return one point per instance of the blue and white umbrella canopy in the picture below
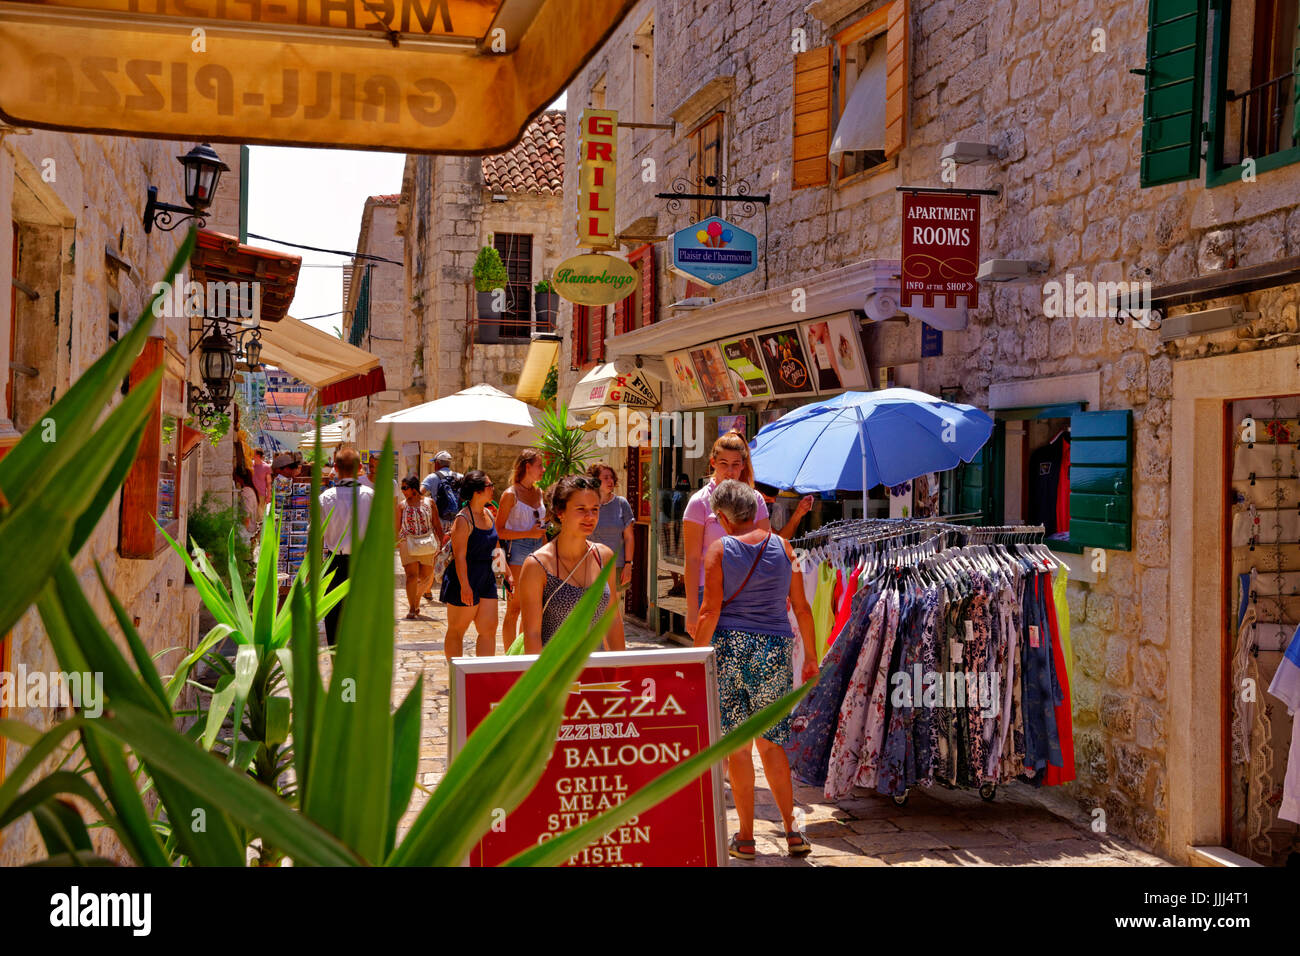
(867, 438)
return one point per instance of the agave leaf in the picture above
(248, 803)
(143, 662)
(81, 858)
(564, 845)
(237, 602)
(352, 762)
(308, 695)
(277, 720)
(223, 698)
(61, 827)
(48, 517)
(504, 757)
(33, 465)
(40, 747)
(406, 758)
(214, 596)
(247, 662)
(178, 680)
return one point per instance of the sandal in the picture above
(741, 849)
(802, 848)
(412, 615)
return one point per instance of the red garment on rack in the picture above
(845, 607)
(1063, 489)
(1064, 723)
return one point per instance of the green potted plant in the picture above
(489, 276)
(546, 302)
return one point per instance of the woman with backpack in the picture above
(469, 585)
(521, 526)
(749, 573)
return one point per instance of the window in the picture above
(1059, 466)
(637, 310)
(850, 99)
(643, 72)
(706, 163)
(1252, 87)
(517, 254)
(1252, 104)
(578, 341)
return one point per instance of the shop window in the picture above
(1252, 85)
(151, 494)
(517, 255)
(1059, 466)
(850, 99)
(706, 162)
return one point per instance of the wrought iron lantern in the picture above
(203, 169)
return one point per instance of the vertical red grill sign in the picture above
(629, 718)
(941, 249)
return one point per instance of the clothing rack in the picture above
(898, 554)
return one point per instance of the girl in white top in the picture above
(521, 522)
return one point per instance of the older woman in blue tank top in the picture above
(748, 576)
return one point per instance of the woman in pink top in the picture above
(700, 528)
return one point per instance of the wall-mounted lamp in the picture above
(977, 154)
(203, 169)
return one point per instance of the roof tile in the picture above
(536, 164)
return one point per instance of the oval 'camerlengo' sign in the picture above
(594, 279)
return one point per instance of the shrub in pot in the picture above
(489, 276)
(546, 303)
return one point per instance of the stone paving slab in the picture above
(936, 827)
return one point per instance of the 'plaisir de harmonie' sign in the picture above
(630, 717)
(941, 249)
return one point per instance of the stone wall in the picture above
(448, 215)
(91, 191)
(379, 236)
(1021, 75)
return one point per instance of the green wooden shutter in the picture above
(1171, 109)
(1101, 479)
(980, 482)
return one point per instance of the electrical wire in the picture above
(334, 252)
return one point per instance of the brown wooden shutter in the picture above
(812, 118)
(643, 259)
(896, 76)
(623, 314)
(598, 334)
(581, 326)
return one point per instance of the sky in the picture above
(315, 197)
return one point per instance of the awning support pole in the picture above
(862, 445)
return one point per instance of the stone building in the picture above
(1164, 745)
(373, 302)
(81, 269)
(451, 207)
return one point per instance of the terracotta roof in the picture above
(294, 399)
(536, 165)
(392, 199)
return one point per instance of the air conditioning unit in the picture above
(1204, 322)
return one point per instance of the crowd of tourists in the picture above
(543, 549)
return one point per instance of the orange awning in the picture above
(444, 76)
(339, 371)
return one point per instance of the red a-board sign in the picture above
(941, 249)
(630, 717)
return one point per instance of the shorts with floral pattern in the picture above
(754, 670)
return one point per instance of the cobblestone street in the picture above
(935, 828)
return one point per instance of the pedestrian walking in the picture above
(442, 485)
(521, 526)
(614, 527)
(261, 476)
(250, 503)
(416, 543)
(343, 507)
(469, 585)
(556, 575)
(749, 576)
(729, 459)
